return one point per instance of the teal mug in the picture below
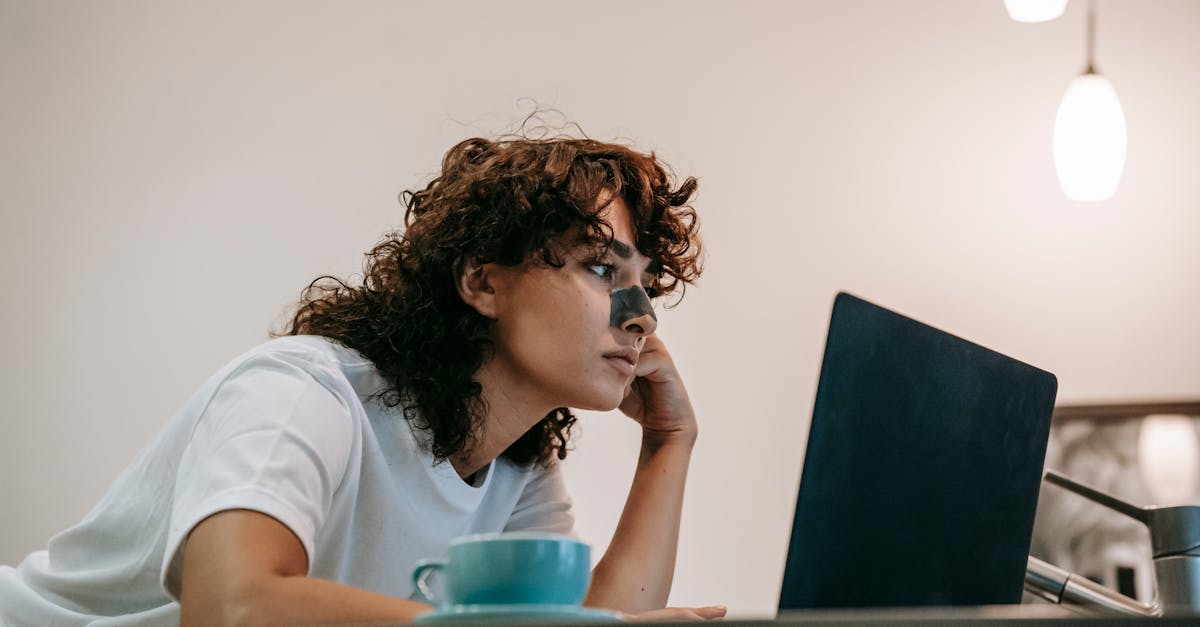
(509, 568)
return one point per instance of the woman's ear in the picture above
(475, 285)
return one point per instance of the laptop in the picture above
(921, 476)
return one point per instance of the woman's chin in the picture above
(602, 402)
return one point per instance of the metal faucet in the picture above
(1175, 547)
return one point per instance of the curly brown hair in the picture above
(507, 201)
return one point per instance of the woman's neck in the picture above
(509, 412)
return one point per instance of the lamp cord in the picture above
(1091, 38)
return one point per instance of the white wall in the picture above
(171, 175)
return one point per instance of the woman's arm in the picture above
(636, 571)
(242, 567)
(635, 574)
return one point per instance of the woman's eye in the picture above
(603, 270)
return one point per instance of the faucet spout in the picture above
(1059, 586)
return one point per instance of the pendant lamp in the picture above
(1035, 10)
(1089, 132)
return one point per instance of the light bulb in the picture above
(1035, 10)
(1089, 139)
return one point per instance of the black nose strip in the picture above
(629, 303)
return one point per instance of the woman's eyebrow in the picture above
(622, 250)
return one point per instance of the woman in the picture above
(302, 482)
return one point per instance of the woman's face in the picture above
(553, 327)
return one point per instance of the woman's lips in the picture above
(624, 360)
(621, 363)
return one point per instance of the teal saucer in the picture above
(476, 614)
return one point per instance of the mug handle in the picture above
(420, 573)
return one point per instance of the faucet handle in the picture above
(1139, 514)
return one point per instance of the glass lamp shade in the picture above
(1089, 139)
(1035, 10)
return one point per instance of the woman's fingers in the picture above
(654, 360)
(680, 614)
(711, 612)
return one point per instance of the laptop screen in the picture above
(921, 477)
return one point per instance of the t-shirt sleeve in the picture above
(544, 505)
(272, 439)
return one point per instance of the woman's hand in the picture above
(657, 399)
(677, 614)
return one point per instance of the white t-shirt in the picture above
(286, 429)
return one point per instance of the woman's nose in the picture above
(644, 324)
(631, 311)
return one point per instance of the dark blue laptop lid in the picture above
(921, 475)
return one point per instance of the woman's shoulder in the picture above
(312, 346)
(294, 362)
(312, 354)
